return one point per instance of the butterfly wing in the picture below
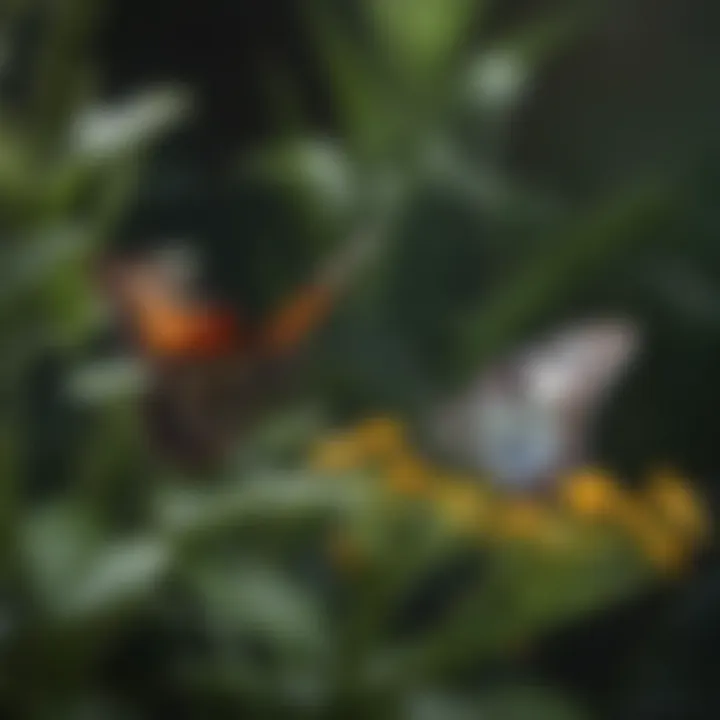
(154, 298)
(529, 416)
(309, 307)
(212, 374)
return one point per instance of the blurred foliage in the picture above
(128, 590)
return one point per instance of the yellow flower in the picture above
(337, 454)
(675, 500)
(592, 494)
(528, 521)
(407, 475)
(464, 504)
(662, 547)
(380, 437)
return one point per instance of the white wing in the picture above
(529, 415)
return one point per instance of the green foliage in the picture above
(240, 561)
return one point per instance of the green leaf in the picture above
(94, 706)
(497, 80)
(507, 702)
(528, 702)
(256, 598)
(120, 573)
(367, 107)
(31, 264)
(421, 36)
(61, 70)
(268, 500)
(113, 130)
(77, 573)
(554, 591)
(561, 265)
(541, 39)
(102, 382)
(291, 430)
(527, 592)
(485, 188)
(429, 705)
(55, 542)
(317, 172)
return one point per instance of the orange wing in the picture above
(166, 323)
(167, 331)
(296, 319)
(307, 309)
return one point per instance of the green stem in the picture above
(60, 68)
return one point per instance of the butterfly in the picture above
(210, 369)
(529, 416)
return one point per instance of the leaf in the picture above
(496, 80)
(486, 189)
(507, 702)
(30, 264)
(561, 265)
(429, 705)
(420, 36)
(527, 593)
(268, 499)
(366, 104)
(528, 702)
(292, 429)
(95, 706)
(55, 542)
(317, 171)
(77, 573)
(541, 39)
(552, 593)
(249, 597)
(115, 129)
(499, 78)
(102, 382)
(121, 572)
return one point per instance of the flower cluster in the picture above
(665, 520)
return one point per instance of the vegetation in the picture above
(320, 572)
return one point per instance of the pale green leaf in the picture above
(104, 381)
(267, 500)
(115, 129)
(121, 572)
(55, 543)
(316, 171)
(76, 572)
(257, 599)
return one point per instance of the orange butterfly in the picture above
(212, 369)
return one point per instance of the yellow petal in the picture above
(466, 506)
(381, 437)
(663, 548)
(677, 502)
(592, 494)
(408, 475)
(338, 454)
(528, 521)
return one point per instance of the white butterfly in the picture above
(529, 416)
